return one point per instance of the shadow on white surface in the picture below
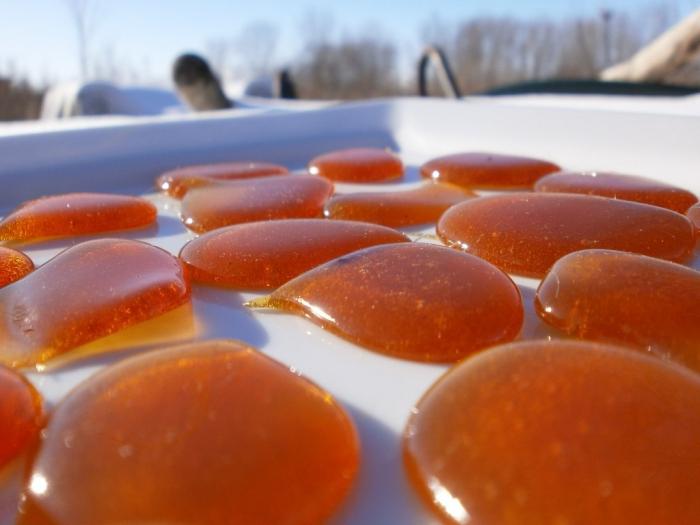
(220, 314)
(533, 326)
(695, 261)
(382, 494)
(164, 228)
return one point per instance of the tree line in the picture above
(485, 52)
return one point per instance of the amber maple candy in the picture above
(411, 300)
(357, 165)
(615, 185)
(267, 254)
(177, 182)
(525, 233)
(13, 265)
(422, 205)
(559, 433)
(487, 170)
(21, 414)
(627, 299)
(207, 434)
(76, 214)
(86, 292)
(266, 198)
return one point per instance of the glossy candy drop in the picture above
(21, 414)
(422, 205)
(559, 433)
(177, 182)
(86, 292)
(694, 216)
(13, 265)
(266, 198)
(487, 170)
(208, 434)
(615, 185)
(525, 233)
(625, 298)
(76, 214)
(411, 300)
(357, 165)
(260, 255)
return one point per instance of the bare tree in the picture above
(256, 47)
(350, 66)
(494, 51)
(354, 68)
(107, 65)
(488, 52)
(218, 52)
(316, 28)
(82, 13)
(439, 33)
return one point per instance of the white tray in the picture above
(125, 155)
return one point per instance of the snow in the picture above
(103, 98)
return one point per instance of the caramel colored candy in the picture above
(411, 300)
(625, 298)
(357, 165)
(617, 186)
(13, 265)
(525, 233)
(208, 434)
(559, 433)
(177, 182)
(694, 216)
(21, 415)
(86, 292)
(422, 205)
(487, 170)
(263, 198)
(260, 255)
(76, 214)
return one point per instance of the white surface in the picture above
(687, 105)
(378, 391)
(104, 99)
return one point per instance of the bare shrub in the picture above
(18, 100)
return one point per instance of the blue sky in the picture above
(37, 38)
